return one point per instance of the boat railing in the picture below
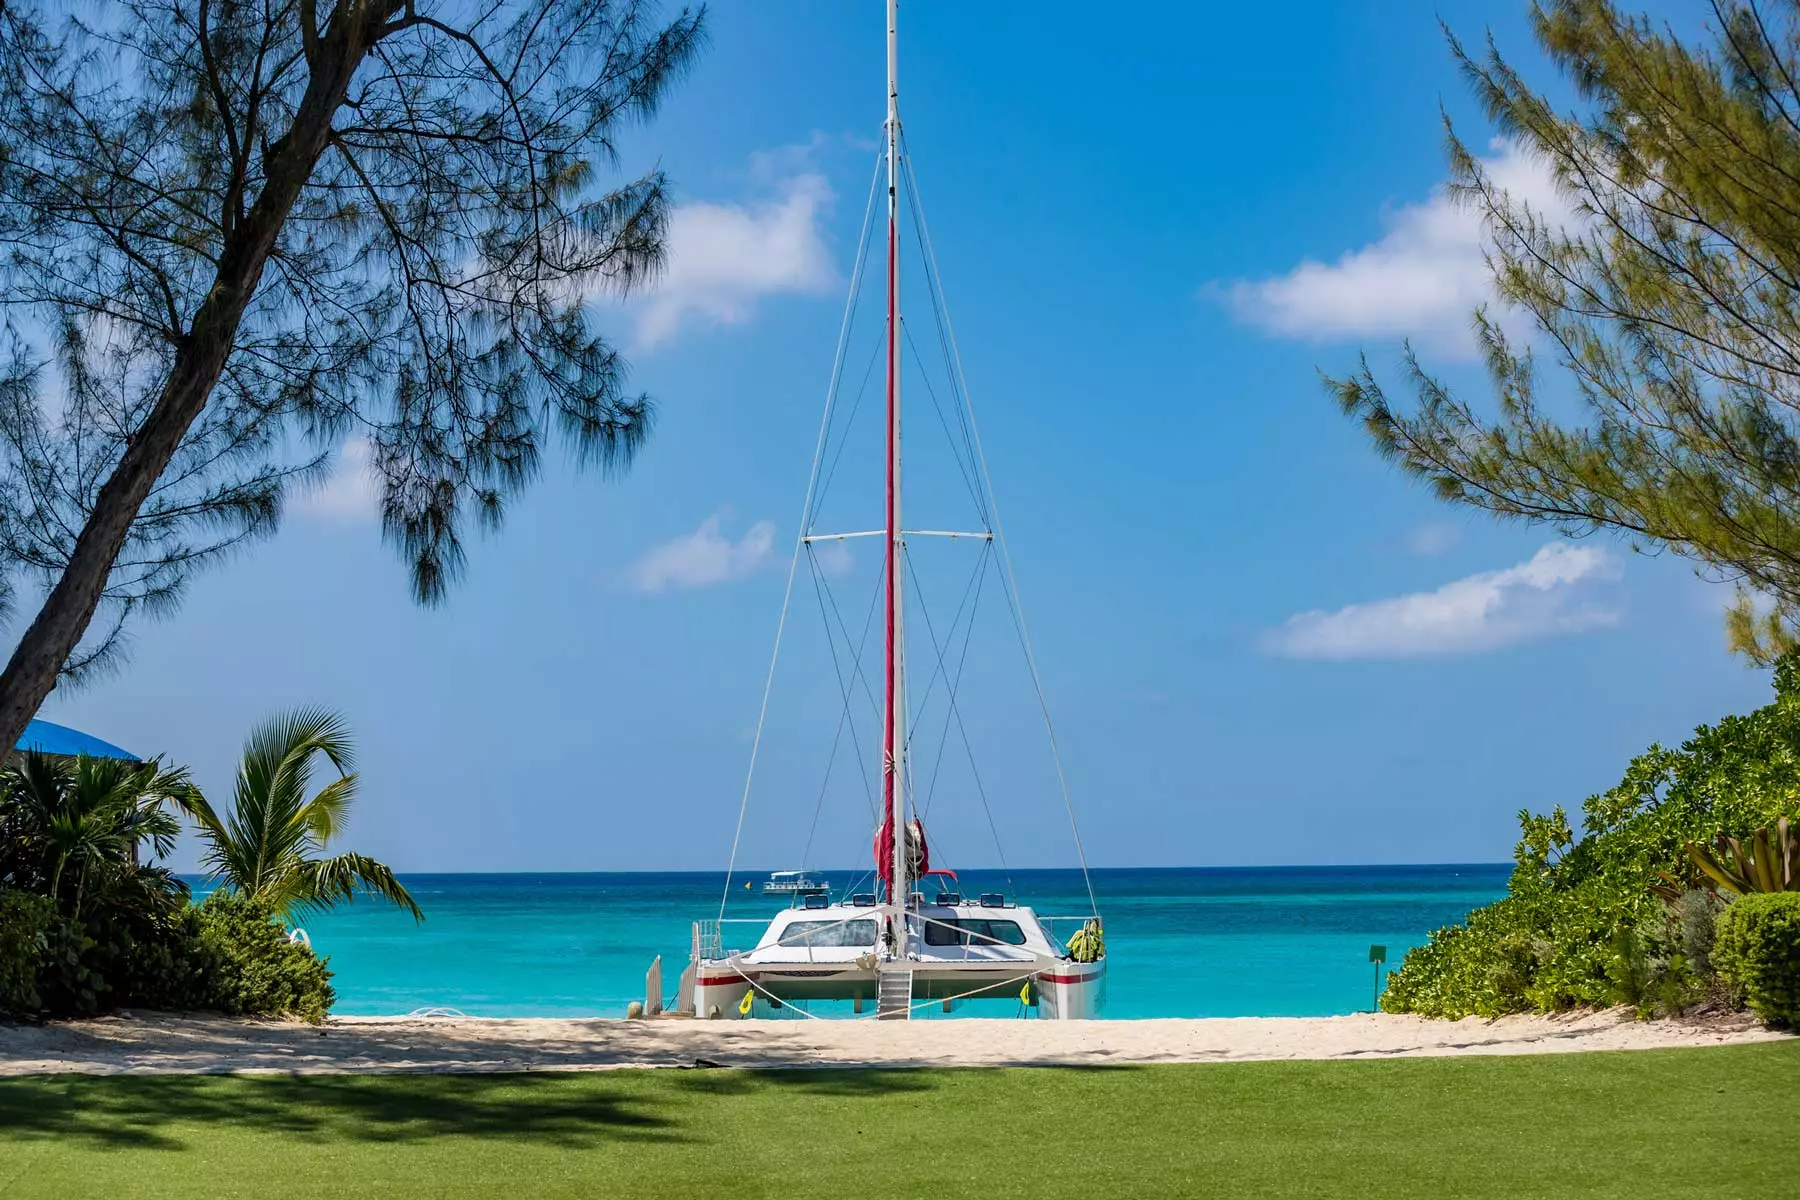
(1061, 942)
(709, 934)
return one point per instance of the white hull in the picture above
(953, 953)
(1067, 991)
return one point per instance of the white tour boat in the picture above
(913, 940)
(794, 883)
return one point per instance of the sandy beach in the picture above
(160, 1044)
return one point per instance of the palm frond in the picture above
(345, 876)
(270, 846)
(326, 813)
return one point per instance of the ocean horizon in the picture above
(1181, 942)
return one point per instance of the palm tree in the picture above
(72, 828)
(271, 847)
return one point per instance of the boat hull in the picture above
(1064, 991)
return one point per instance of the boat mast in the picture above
(894, 724)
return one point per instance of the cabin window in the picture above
(944, 933)
(818, 934)
(979, 931)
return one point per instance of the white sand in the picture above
(158, 1043)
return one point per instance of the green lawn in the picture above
(1710, 1123)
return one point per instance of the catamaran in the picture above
(913, 940)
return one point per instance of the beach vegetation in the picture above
(1666, 294)
(252, 967)
(1591, 917)
(1768, 861)
(270, 847)
(1758, 953)
(25, 922)
(238, 237)
(90, 921)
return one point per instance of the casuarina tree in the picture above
(233, 228)
(1670, 301)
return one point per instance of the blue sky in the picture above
(1260, 644)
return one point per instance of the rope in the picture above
(812, 478)
(1011, 577)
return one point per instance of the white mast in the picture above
(894, 752)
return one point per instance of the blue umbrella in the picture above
(51, 738)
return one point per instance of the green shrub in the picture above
(1696, 917)
(252, 969)
(25, 922)
(1758, 952)
(1580, 925)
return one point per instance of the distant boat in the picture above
(794, 883)
(895, 943)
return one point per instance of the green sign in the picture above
(1377, 954)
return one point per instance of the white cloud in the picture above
(1541, 597)
(704, 557)
(351, 492)
(1422, 279)
(724, 258)
(1432, 539)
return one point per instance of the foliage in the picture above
(86, 925)
(75, 832)
(227, 229)
(251, 967)
(1670, 300)
(1695, 914)
(1771, 864)
(270, 847)
(1758, 951)
(73, 829)
(24, 938)
(1580, 924)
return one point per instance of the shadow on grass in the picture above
(563, 1109)
(173, 1112)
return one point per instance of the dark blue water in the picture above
(1249, 941)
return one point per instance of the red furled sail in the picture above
(918, 852)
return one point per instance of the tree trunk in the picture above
(199, 360)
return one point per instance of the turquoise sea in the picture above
(1251, 941)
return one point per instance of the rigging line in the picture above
(787, 593)
(939, 310)
(968, 637)
(824, 785)
(862, 766)
(823, 587)
(955, 622)
(968, 747)
(925, 378)
(866, 243)
(1010, 577)
(849, 423)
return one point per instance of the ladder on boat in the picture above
(893, 992)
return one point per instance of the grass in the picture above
(1669, 1123)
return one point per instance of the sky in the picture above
(1259, 643)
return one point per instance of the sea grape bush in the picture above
(24, 937)
(228, 955)
(1581, 923)
(1758, 953)
(251, 966)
